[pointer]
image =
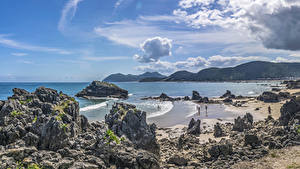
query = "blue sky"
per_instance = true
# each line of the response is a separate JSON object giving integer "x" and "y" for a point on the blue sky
{"x": 84, "y": 40}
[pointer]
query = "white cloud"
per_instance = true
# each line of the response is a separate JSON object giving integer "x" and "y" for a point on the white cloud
{"x": 68, "y": 13}
{"x": 134, "y": 32}
{"x": 19, "y": 54}
{"x": 154, "y": 48}
{"x": 89, "y": 58}
{"x": 194, "y": 64}
{"x": 275, "y": 23}
{"x": 19, "y": 45}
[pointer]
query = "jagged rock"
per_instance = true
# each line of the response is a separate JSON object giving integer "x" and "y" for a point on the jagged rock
{"x": 252, "y": 139}
{"x": 228, "y": 94}
{"x": 196, "y": 96}
{"x": 224, "y": 148}
{"x": 218, "y": 132}
{"x": 178, "y": 160}
{"x": 276, "y": 89}
{"x": 125, "y": 119}
{"x": 240, "y": 124}
{"x": 290, "y": 111}
{"x": 194, "y": 127}
{"x": 269, "y": 97}
{"x": 204, "y": 100}
{"x": 165, "y": 97}
{"x": 102, "y": 89}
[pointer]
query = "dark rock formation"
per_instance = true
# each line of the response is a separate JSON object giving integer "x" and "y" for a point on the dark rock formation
{"x": 218, "y": 132}
{"x": 178, "y": 160}
{"x": 102, "y": 89}
{"x": 224, "y": 147}
{"x": 186, "y": 98}
{"x": 196, "y": 96}
{"x": 269, "y": 97}
{"x": 293, "y": 84}
{"x": 252, "y": 139}
{"x": 194, "y": 127}
{"x": 44, "y": 128}
{"x": 228, "y": 94}
{"x": 276, "y": 89}
{"x": 241, "y": 124}
{"x": 290, "y": 111}
{"x": 125, "y": 119}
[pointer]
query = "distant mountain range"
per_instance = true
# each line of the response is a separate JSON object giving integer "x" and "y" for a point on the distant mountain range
{"x": 132, "y": 78}
{"x": 257, "y": 70}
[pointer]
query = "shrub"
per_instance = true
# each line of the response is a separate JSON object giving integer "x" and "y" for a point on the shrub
{"x": 64, "y": 126}
{"x": 111, "y": 137}
{"x": 34, "y": 120}
{"x": 15, "y": 113}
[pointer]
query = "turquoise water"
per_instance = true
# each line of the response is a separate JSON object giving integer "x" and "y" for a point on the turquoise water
{"x": 96, "y": 109}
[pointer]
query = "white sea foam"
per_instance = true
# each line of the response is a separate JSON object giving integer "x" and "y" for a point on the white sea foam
{"x": 130, "y": 94}
{"x": 165, "y": 107}
{"x": 93, "y": 107}
{"x": 192, "y": 109}
{"x": 251, "y": 93}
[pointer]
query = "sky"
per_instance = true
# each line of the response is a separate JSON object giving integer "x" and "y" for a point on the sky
{"x": 85, "y": 40}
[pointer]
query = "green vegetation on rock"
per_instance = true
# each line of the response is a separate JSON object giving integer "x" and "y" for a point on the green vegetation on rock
{"x": 111, "y": 137}
{"x": 16, "y": 113}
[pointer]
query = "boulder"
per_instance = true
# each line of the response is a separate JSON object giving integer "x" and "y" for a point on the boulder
{"x": 196, "y": 96}
{"x": 228, "y": 94}
{"x": 194, "y": 127}
{"x": 224, "y": 148}
{"x": 284, "y": 95}
{"x": 102, "y": 89}
{"x": 165, "y": 97}
{"x": 293, "y": 84}
{"x": 218, "y": 132}
{"x": 269, "y": 97}
{"x": 227, "y": 100}
{"x": 178, "y": 160}
{"x": 241, "y": 124}
{"x": 186, "y": 98}
{"x": 252, "y": 140}
{"x": 125, "y": 119}
{"x": 290, "y": 111}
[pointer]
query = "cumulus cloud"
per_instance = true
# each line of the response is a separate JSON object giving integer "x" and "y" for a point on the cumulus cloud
{"x": 154, "y": 48}
{"x": 275, "y": 23}
{"x": 194, "y": 64}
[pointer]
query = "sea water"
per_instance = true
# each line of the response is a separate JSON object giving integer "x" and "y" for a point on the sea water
{"x": 96, "y": 109}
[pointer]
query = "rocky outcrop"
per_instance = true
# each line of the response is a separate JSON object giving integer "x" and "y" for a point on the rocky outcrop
{"x": 293, "y": 84}
{"x": 196, "y": 95}
{"x": 290, "y": 111}
{"x": 126, "y": 120}
{"x": 194, "y": 127}
{"x": 228, "y": 94}
{"x": 102, "y": 89}
{"x": 45, "y": 129}
{"x": 269, "y": 97}
{"x": 218, "y": 131}
{"x": 241, "y": 124}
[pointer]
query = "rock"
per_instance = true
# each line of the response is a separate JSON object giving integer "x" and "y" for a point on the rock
{"x": 186, "y": 98}
{"x": 293, "y": 84}
{"x": 284, "y": 95}
{"x": 222, "y": 148}
{"x": 227, "y": 100}
{"x": 164, "y": 97}
{"x": 102, "y": 89}
{"x": 252, "y": 139}
{"x": 228, "y": 94}
{"x": 194, "y": 127}
{"x": 269, "y": 97}
{"x": 196, "y": 96}
{"x": 125, "y": 119}
{"x": 218, "y": 132}
{"x": 290, "y": 111}
{"x": 241, "y": 124}
{"x": 178, "y": 160}
{"x": 276, "y": 89}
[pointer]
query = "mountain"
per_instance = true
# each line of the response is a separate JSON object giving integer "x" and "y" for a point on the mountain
{"x": 256, "y": 70}
{"x": 131, "y": 78}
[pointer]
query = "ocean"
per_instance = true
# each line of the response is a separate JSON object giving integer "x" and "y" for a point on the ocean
{"x": 96, "y": 109}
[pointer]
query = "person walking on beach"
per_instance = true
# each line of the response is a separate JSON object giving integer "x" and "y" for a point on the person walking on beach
{"x": 269, "y": 110}
{"x": 206, "y": 110}
{"x": 198, "y": 109}
{"x": 158, "y": 107}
